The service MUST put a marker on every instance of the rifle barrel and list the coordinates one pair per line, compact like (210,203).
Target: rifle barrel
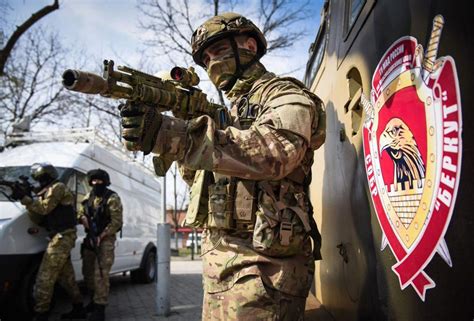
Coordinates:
(84,82)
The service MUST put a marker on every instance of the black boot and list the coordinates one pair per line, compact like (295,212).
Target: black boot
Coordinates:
(98,314)
(90,307)
(77,312)
(43,316)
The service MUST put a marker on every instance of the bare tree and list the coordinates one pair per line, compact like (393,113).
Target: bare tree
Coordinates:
(31,85)
(20,30)
(170,24)
(98,112)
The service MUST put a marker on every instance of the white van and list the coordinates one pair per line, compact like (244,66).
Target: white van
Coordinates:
(74,153)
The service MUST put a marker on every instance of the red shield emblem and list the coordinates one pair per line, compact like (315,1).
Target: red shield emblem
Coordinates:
(412,147)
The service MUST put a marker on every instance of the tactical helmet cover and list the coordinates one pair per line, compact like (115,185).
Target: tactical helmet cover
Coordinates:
(98,174)
(223,26)
(44,173)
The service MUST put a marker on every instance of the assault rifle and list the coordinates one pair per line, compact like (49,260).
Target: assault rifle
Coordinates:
(177,93)
(16,190)
(92,237)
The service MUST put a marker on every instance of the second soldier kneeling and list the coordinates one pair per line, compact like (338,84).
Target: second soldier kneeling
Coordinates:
(101,215)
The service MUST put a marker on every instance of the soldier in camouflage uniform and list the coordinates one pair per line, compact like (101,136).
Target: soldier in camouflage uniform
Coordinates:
(249,180)
(54,210)
(101,215)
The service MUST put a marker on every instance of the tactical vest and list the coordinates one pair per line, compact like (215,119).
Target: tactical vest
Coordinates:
(99,214)
(285,213)
(61,218)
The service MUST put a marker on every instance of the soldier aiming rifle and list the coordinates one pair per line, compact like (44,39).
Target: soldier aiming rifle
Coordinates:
(51,207)
(16,189)
(248,173)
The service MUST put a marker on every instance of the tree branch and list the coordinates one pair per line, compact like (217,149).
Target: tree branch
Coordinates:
(5,52)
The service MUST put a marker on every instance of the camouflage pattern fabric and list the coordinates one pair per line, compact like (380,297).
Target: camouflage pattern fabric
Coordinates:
(56,263)
(56,266)
(90,267)
(99,285)
(54,195)
(113,209)
(250,299)
(266,145)
(270,149)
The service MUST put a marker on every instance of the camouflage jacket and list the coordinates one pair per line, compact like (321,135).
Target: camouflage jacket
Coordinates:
(271,140)
(48,200)
(113,209)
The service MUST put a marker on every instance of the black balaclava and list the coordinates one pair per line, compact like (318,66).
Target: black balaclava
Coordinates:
(99,189)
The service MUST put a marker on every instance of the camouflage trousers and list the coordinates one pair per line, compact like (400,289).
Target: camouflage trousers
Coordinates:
(56,266)
(250,299)
(95,282)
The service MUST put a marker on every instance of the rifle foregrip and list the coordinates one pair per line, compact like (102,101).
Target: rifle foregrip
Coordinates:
(84,82)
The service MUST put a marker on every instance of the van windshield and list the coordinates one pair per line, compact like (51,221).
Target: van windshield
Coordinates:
(12,173)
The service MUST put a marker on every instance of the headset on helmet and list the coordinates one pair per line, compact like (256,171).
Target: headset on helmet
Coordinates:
(98,174)
(222,26)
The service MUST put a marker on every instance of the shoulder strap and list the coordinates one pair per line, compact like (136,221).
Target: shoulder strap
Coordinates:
(106,197)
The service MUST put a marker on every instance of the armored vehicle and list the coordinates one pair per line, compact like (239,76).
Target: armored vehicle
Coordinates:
(392,186)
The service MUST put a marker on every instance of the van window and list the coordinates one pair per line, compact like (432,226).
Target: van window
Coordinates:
(13,173)
(82,187)
(77,183)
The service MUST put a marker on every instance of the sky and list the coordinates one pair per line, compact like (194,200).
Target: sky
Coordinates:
(109,29)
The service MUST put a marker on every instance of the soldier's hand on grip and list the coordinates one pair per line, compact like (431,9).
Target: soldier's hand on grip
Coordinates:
(140,126)
(19,191)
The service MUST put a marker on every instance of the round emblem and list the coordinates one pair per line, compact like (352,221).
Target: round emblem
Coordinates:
(412,147)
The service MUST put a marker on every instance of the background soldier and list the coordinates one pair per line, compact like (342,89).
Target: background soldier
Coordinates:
(101,215)
(54,210)
(256,248)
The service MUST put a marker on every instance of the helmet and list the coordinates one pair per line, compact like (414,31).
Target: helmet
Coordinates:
(98,174)
(222,26)
(44,173)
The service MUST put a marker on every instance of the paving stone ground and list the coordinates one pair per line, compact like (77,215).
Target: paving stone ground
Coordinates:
(136,302)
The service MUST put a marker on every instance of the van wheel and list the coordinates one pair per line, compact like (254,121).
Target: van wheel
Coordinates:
(147,274)
(25,300)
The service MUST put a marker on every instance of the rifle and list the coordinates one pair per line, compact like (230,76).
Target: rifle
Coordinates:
(93,240)
(18,189)
(178,93)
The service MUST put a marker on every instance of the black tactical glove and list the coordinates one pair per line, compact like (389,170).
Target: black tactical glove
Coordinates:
(140,126)
(20,190)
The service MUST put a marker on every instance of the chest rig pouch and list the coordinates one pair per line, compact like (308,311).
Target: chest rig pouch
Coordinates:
(281,215)
(232,200)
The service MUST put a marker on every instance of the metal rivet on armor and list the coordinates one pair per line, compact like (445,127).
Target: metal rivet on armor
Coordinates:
(431,130)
